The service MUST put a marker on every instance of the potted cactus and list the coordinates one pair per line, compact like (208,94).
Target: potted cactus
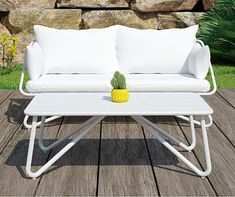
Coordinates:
(119,92)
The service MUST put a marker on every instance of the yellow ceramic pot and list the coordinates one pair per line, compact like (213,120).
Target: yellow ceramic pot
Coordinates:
(120,95)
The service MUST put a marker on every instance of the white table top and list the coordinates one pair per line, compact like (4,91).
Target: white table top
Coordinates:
(100,104)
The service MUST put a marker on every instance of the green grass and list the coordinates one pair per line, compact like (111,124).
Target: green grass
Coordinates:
(10,78)
(225,77)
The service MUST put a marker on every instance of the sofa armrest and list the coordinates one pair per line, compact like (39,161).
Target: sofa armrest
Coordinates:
(34,60)
(198,63)
(214,89)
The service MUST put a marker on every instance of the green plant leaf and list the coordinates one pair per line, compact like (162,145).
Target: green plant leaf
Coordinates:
(217,29)
(114,83)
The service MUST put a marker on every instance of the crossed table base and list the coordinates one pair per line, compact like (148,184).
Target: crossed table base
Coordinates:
(99,105)
(161,135)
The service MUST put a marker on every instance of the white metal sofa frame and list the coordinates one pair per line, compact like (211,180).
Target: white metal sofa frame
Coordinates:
(154,129)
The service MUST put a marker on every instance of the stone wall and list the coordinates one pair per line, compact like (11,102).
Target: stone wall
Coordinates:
(19,16)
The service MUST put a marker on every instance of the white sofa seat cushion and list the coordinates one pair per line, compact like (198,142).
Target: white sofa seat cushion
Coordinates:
(101,83)
(154,51)
(70,83)
(166,83)
(78,51)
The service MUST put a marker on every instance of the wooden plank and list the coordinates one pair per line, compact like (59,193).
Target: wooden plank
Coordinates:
(223,116)
(4,94)
(11,116)
(228,95)
(118,120)
(174,178)
(13,181)
(76,172)
(12,106)
(222,152)
(124,163)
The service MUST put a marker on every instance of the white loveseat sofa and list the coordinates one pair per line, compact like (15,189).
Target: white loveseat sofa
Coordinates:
(169,60)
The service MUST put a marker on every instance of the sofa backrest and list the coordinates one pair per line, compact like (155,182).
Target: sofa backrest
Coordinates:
(154,51)
(115,48)
(77,51)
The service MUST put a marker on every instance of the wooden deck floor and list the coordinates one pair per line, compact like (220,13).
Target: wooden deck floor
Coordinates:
(118,157)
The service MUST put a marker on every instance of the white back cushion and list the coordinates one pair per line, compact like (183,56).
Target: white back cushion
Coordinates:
(78,51)
(154,51)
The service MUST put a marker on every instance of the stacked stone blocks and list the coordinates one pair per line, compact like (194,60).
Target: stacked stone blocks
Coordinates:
(18,16)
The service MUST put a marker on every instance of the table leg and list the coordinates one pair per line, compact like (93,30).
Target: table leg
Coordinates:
(59,141)
(31,146)
(199,172)
(169,137)
(83,131)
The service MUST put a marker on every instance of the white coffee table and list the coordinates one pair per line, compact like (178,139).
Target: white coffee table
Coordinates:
(99,105)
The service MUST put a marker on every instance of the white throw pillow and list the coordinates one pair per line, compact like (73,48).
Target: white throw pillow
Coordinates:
(199,62)
(196,47)
(154,51)
(34,60)
(78,51)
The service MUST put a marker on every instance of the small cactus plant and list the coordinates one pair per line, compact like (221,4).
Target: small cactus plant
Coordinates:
(120,93)
(118,81)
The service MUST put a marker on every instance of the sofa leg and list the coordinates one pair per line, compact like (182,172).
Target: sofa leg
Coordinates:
(29,126)
(185,118)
